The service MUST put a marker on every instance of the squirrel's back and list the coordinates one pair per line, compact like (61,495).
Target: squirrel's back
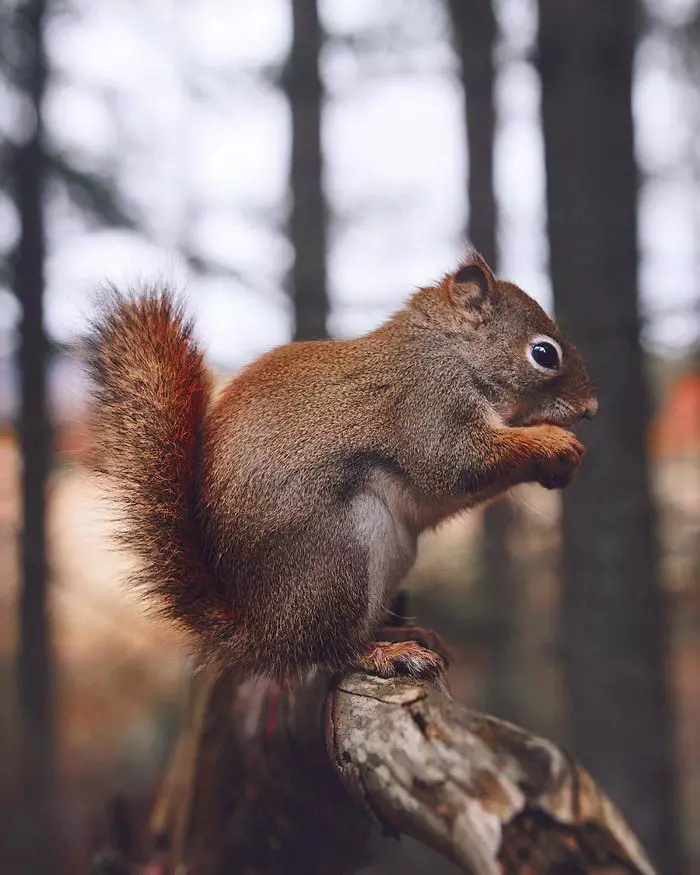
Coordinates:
(151,390)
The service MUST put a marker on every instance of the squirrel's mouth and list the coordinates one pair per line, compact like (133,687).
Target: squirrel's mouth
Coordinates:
(560,413)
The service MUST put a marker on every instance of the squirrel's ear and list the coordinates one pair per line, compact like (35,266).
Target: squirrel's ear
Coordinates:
(472,283)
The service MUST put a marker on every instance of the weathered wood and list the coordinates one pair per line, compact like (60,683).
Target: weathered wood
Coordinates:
(274,779)
(485,793)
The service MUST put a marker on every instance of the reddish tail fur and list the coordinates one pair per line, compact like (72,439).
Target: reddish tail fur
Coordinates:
(151,394)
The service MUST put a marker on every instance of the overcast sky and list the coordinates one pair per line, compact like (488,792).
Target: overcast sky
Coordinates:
(166,94)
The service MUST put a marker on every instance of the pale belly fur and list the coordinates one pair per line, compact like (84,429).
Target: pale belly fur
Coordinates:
(384,517)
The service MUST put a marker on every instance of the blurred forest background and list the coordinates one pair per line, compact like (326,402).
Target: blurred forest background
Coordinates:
(300,167)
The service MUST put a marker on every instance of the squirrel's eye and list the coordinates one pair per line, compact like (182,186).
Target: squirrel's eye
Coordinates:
(544,354)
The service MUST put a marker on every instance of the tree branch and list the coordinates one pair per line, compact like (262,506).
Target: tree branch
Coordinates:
(280,780)
(486,794)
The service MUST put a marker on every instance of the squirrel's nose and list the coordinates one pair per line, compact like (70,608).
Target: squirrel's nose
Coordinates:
(590,408)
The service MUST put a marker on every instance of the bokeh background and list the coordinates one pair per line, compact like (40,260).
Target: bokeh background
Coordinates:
(298,168)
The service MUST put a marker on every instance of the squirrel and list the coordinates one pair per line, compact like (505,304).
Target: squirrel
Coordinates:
(276,518)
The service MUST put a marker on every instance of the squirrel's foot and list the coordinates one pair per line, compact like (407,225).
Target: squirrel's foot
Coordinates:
(388,659)
(425,637)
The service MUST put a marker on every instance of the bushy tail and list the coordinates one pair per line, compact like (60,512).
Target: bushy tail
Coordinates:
(151,389)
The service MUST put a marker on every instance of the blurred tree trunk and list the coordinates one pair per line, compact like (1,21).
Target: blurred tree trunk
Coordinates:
(614,612)
(307,222)
(474,27)
(34,657)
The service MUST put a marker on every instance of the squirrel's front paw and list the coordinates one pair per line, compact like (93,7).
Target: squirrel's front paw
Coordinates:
(559,457)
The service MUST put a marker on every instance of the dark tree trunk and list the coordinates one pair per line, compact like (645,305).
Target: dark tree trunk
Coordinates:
(614,612)
(307,222)
(503,692)
(474,27)
(34,658)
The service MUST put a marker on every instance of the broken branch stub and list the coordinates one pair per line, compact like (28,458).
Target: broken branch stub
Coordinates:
(481,791)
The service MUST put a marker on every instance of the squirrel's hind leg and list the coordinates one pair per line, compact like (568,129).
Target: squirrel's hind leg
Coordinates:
(384,660)
(389,658)
(427,638)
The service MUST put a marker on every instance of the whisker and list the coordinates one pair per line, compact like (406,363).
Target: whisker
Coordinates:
(390,613)
(521,501)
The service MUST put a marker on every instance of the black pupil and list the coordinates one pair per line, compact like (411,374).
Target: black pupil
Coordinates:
(545,354)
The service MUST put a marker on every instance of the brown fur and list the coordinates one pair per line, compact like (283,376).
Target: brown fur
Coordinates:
(277,520)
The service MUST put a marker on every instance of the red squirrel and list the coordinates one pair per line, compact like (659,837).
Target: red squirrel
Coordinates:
(276,518)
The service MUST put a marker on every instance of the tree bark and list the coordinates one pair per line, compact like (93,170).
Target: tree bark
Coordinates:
(268,779)
(307,222)
(614,611)
(34,657)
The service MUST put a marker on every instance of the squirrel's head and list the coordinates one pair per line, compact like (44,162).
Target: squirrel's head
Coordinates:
(516,357)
